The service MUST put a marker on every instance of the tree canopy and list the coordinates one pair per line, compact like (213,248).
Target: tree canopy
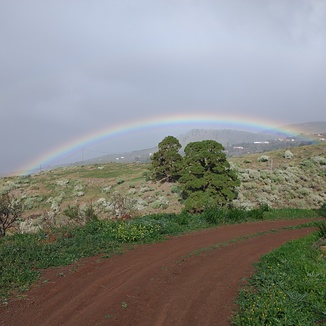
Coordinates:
(167,161)
(207,180)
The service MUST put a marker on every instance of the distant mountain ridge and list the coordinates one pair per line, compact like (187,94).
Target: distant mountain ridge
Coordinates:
(227,137)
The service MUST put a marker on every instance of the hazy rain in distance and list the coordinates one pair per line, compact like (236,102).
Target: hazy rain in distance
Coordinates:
(69,68)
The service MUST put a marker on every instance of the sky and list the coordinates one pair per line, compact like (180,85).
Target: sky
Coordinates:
(69,68)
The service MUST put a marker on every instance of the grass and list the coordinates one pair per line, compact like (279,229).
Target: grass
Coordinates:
(290,213)
(23,256)
(288,287)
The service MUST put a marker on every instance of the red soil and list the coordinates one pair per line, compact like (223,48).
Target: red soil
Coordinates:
(152,284)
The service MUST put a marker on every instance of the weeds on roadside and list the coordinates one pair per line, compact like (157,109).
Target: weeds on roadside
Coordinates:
(322,230)
(288,288)
(290,213)
(322,210)
(234,215)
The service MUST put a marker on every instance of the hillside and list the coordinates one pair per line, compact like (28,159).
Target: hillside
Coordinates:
(294,178)
(308,128)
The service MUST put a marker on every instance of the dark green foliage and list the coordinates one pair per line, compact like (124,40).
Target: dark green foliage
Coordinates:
(80,216)
(72,211)
(258,213)
(234,215)
(322,210)
(90,214)
(167,162)
(322,230)
(207,180)
(214,215)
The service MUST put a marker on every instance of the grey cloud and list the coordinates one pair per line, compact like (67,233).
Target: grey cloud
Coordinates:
(69,68)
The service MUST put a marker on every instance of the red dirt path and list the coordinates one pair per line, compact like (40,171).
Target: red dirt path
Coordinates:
(152,284)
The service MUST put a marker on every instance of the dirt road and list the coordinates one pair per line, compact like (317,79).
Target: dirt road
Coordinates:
(156,284)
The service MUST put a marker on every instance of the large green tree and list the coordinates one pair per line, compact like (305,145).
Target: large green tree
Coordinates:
(207,180)
(167,161)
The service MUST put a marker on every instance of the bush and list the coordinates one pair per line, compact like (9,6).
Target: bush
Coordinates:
(133,231)
(81,215)
(175,189)
(237,215)
(322,230)
(258,214)
(263,158)
(288,154)
(119,181)
(147,175)
(214,215)
(322,210)
(234,215)
(10,211)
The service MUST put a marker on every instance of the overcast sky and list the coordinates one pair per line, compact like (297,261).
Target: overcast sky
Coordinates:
(71,67)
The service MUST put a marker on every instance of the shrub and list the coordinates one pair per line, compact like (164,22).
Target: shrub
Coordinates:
(133,231)
(147,175)
(121,204)
(319,160)
(236,215)
(90,214)
(73,212)
(214,215)
(161,202)
(322,210)
(288,154)
(81,215)
(120,181)
(62,183)
(10,211)
(322,230)
(263,158)
(182,218)
(175,189)
(258,213)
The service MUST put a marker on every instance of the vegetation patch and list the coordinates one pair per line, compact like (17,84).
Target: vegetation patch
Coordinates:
(288,288)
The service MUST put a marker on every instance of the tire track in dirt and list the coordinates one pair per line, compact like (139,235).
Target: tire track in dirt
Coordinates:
(146,286)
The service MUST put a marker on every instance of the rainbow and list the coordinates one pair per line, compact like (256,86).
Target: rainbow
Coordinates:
(208,119)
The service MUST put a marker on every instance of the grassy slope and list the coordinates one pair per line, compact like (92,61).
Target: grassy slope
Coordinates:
(298,182)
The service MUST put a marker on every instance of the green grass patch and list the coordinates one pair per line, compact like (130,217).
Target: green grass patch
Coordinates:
(290,213)
(23,256)
(220,216)
(288,288)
